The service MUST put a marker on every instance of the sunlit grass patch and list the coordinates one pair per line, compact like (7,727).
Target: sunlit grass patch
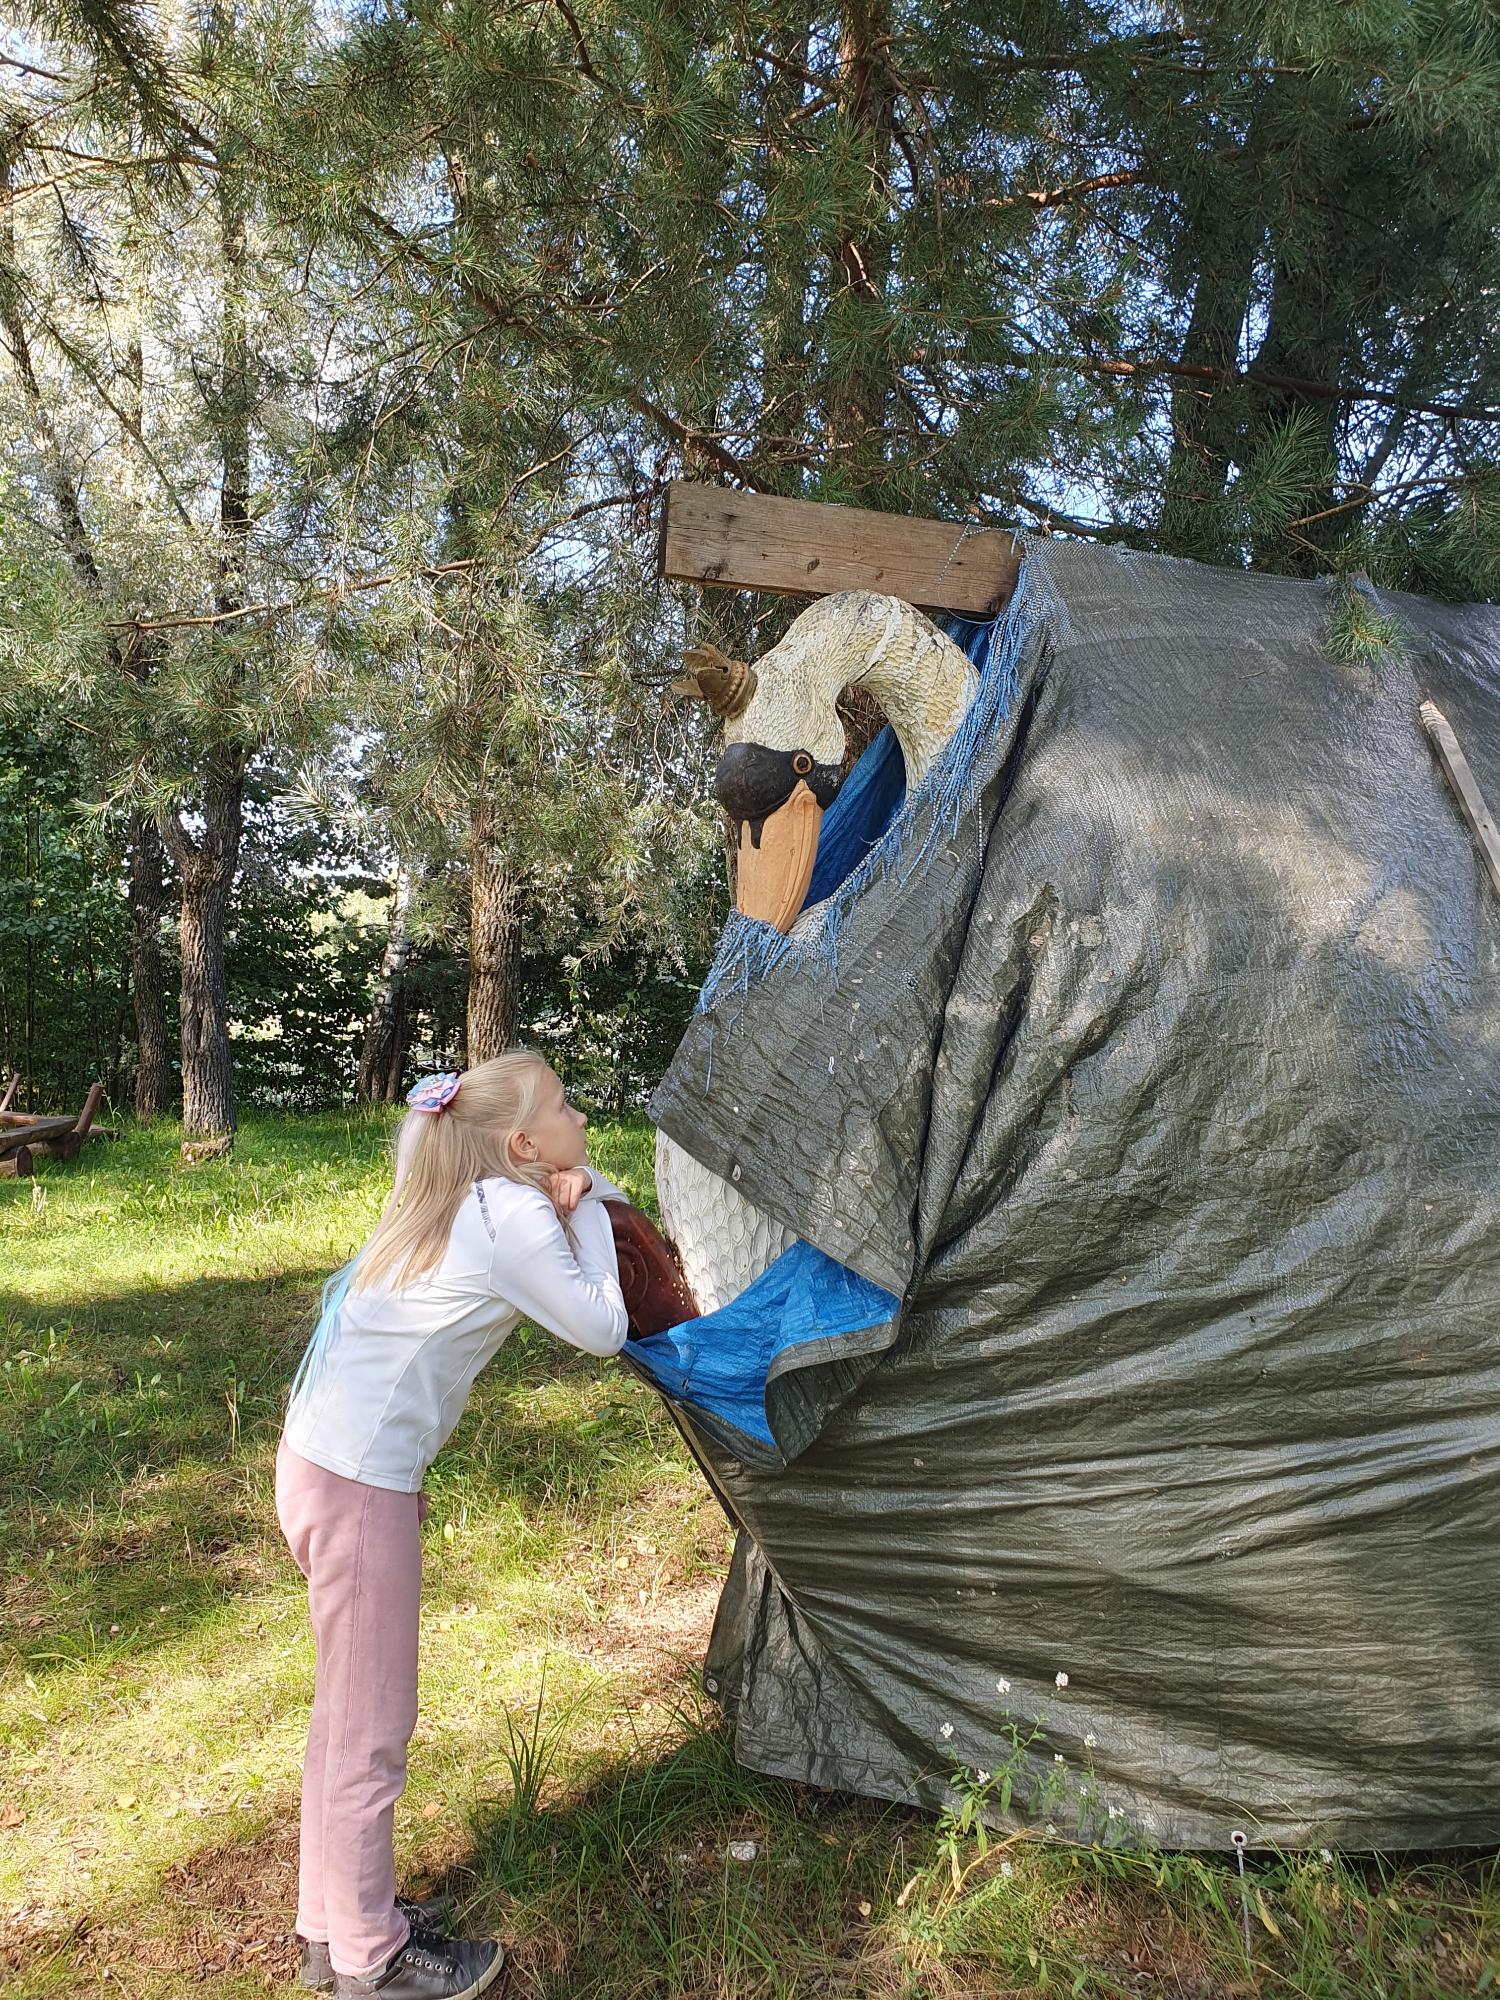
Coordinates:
(567,1784)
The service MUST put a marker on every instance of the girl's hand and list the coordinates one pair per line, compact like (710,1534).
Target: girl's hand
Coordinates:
(567,1186)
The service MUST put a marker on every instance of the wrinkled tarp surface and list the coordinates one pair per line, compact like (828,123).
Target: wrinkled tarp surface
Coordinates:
(1161,1087)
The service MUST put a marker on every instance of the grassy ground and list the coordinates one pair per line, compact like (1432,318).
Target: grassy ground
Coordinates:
(566,1784)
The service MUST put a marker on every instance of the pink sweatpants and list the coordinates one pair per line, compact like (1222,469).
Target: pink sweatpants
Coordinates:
(360,1550)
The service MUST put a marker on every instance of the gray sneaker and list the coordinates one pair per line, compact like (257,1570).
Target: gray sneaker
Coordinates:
(436,1968)
(315,1967)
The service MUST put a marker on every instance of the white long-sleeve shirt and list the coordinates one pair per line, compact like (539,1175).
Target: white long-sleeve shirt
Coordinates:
(397,1362)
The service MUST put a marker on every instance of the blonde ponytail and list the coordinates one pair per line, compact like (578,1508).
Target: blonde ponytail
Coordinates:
(439,1156)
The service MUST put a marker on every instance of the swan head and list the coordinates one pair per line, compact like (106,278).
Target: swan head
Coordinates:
(782,762)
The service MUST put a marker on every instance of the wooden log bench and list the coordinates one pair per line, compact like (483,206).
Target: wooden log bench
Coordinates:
(26,1137)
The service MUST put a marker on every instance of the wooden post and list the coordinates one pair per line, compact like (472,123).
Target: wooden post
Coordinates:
(1465,788)
(803,548)
(17,1164)
(10,1090)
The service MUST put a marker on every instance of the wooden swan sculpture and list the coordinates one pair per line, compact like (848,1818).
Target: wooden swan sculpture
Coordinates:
(779,769)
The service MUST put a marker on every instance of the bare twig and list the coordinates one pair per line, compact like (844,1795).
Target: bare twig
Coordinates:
(326,592)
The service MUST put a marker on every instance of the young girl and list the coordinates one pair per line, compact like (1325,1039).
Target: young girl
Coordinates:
(494,1214)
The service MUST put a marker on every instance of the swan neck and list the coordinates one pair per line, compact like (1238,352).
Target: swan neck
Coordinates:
(923,702)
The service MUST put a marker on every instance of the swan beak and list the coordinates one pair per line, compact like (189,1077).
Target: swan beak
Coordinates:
(774,861)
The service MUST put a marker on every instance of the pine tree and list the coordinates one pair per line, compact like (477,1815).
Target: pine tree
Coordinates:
(167,339)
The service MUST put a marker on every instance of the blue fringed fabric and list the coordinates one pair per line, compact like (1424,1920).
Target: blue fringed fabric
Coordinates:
(722,1362)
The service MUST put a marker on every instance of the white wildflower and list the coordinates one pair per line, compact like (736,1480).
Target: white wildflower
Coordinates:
(946,1731)
(1002,1687)
(1007,1868)
(1114,1812)
(1325,1854)
(1061,1682)
(981,1777)
(1057,1756)
(1091,1741)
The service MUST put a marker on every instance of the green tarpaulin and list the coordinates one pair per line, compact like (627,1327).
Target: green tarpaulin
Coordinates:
(1161,1084)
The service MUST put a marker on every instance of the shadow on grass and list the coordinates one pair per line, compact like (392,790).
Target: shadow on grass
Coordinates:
(683,1874)
(138,1441)
(677,1873)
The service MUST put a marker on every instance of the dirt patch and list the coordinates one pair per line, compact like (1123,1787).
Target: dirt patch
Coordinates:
(236,1905)
(226,1909)
(657,1638)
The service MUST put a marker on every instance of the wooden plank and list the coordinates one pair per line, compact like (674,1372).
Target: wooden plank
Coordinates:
(35,1132)
(82,1124)
(1465,787)
(804,548)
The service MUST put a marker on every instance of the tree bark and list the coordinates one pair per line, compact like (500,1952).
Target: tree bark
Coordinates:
(148,986)
(494,942)
(381,1057)
(856,402)
(206,869)
(1208,417)
(207,866)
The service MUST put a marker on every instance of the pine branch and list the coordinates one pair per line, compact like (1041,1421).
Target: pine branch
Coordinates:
(699,441)
(33,69)
(1260,378)
(331,592)
(1370,495)
(130,424)
(1040,198)
(580,46)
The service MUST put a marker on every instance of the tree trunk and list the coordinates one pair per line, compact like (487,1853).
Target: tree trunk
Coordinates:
(494,943)
(780,449)
(1304,338)
(206,869)
(857,398)
(208,866)
(381,1057)
(1307,335)
(1208,421)
(207,1084)
(148,986)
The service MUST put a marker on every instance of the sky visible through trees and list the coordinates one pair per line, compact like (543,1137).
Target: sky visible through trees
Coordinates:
(348,353)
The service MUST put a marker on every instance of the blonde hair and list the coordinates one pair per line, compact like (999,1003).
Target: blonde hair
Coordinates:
(440,1155)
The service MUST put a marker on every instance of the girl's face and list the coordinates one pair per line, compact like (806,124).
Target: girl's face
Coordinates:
(555,1135)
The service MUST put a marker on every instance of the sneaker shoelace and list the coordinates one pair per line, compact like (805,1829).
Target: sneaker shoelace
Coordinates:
(425,1929)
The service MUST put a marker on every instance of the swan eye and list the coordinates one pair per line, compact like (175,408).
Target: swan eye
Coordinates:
(752,781)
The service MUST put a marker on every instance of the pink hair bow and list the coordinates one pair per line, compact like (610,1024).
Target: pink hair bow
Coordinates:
(434,1093)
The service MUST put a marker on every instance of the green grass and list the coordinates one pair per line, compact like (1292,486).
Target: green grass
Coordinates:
(567,1784)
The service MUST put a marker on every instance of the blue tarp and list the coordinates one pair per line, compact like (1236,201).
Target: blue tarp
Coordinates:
(721,1363)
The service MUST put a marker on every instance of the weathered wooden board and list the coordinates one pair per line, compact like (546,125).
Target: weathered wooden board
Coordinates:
(37,1132)
(803,548)
(1465,788)
(30,1120)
